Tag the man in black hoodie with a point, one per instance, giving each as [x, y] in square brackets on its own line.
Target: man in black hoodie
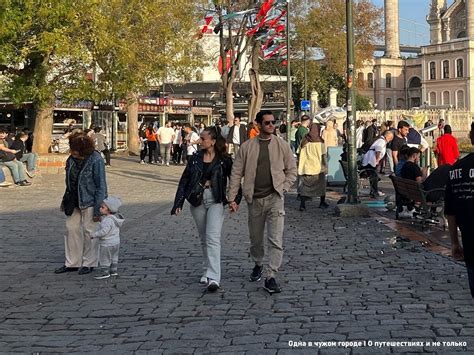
[23, 156]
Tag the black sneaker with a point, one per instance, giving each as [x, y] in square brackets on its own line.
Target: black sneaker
[271, 286]
[257, 272]
[64, 269]
[85, 270]
[23, 183]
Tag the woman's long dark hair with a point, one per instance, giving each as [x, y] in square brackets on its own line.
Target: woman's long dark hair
[220, 146]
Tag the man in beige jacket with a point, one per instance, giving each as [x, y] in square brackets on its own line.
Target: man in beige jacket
[268, 168]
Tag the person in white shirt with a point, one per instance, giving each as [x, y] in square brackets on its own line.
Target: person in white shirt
[166, 136]
[177, 142]
[192, 140]
[372, 158]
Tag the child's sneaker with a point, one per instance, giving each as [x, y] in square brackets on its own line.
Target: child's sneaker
[102, 275]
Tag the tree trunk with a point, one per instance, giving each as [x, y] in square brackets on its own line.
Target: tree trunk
[256, 98]
[43, 129]
[132, 126]
[229, 102]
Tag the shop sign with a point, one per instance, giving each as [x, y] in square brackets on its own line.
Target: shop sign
[201, 110]
[179, 110]
[180, 102]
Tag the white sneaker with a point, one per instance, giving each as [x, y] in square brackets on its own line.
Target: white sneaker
[5, 184]
[142, 162]
[380, 193]
[405, 213]
[167, 164]
[203, 280]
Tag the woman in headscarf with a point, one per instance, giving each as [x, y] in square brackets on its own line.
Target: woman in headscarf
[312, 167]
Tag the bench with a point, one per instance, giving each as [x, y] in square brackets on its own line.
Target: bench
[426, 211]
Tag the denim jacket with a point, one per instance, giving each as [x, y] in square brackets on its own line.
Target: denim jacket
[92, 185]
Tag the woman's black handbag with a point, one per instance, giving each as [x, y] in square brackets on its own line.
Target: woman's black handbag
[68, 205]
[196, 196]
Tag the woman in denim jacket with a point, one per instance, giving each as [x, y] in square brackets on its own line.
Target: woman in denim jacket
[204, 185]
[86, 188]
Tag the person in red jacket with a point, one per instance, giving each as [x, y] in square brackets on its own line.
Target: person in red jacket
[446, 149]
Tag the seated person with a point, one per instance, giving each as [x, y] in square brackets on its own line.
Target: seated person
[436, 180]
[7, 156]
[23, 156]
[411, 170]
[402, 156]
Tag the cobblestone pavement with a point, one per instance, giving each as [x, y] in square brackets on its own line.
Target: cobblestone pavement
[342, 279]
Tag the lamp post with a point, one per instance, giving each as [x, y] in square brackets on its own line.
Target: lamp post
[352, 194]
[288, 73]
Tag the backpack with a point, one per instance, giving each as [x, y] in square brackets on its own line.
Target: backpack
[366, 146]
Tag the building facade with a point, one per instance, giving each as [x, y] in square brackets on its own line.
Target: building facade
[440, 76]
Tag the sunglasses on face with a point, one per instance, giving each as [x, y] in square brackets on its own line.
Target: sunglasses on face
[268, 123]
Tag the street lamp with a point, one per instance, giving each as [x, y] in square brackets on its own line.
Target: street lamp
[352, 194]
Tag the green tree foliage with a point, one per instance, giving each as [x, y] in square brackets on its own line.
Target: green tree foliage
[42, 56]
[320, 26]
[138, 44]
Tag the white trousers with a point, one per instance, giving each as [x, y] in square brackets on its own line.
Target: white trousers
[80, 249]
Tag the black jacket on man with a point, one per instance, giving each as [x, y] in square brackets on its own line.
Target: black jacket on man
[242, 133]
[192, 176]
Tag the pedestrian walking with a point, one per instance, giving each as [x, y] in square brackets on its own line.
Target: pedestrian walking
[191, 139]
[108, 234]
[312, 167]
[268, 169]
[86, 188]
[101, 144]
[165, 137]
[177, 144]
[446, 150]
[152, 144]
[204, 185]
[236, 137]
[143, 142]
[459, 209]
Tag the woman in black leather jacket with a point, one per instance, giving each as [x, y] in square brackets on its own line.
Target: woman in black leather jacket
[204, 185]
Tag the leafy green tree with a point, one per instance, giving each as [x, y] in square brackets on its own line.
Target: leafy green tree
[320, 26]
[43, 57]
[137, 44]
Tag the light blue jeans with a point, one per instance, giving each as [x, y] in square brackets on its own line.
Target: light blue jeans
[2, 175]
[30, 159]
[209, 217]
[17, 169]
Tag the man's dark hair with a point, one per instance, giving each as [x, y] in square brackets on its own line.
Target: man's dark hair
[260, 114]
[412, 151]
[97, 129]
[374, 120]
[305, 118]
[447, 129]
[472, 126]
[403, 124]
[3, 130]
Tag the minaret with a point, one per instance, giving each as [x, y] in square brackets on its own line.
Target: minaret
[392, 38]
[470, 19]
[437, 8]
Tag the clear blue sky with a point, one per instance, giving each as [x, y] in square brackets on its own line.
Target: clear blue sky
[414, 29]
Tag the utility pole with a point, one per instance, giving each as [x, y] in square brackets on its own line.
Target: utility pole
[305, 71]
[288, 74]
[352, 193]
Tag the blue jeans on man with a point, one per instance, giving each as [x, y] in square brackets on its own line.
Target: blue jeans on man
[30, 159]
[17, 169]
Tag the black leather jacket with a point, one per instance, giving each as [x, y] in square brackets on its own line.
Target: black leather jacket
[192, 176]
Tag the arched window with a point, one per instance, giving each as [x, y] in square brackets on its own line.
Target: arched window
[432, 71]
[445, 69]
[388, 103]
[388, 81]
[432, 98]
[370, 80]
[460, 99]
[446, 98]
[400, 103]
[459, 68]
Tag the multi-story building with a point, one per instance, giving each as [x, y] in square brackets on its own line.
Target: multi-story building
[442, 75]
